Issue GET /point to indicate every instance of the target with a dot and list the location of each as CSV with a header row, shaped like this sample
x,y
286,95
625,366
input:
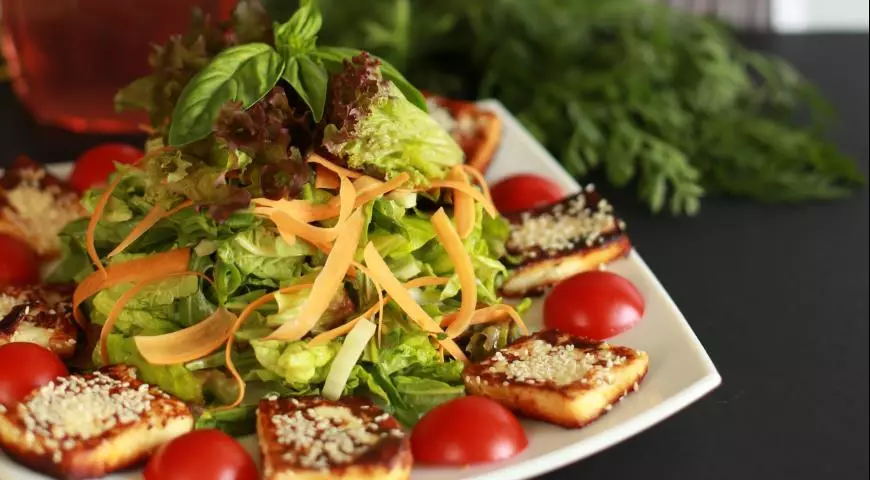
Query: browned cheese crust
x,y
41,315
86,426
577,234
557,378
312,438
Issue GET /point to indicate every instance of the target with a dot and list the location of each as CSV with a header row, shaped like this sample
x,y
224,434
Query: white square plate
x,y
680,370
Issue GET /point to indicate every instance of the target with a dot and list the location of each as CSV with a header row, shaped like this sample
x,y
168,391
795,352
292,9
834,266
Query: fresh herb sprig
x,y
246,73
661,101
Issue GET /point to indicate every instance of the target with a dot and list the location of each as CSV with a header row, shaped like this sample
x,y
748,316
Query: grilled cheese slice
x,y
557,378
311,438
39,314
86,426
577,234
35,206
477,131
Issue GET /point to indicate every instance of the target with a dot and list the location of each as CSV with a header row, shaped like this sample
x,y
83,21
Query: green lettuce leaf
x,y
295,362
174,379
263,254
373,127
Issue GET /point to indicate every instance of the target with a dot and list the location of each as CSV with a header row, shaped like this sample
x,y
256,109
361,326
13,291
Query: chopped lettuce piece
x,y
296,362
373,127
174,379
262,254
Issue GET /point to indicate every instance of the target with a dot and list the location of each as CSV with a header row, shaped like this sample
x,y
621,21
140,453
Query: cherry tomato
x,y
93,167
19,264
524,191
465,431
596,305
25,367
201,455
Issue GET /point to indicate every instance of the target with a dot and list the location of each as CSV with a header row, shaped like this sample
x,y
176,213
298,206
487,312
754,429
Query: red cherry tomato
x,y
465,431
201,455
93,167
25,367
595,305
19,264
525,191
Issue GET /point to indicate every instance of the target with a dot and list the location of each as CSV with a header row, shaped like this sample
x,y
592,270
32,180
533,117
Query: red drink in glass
x,y
67,58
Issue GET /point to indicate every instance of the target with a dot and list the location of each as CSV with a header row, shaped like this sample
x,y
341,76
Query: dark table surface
x,y
777,294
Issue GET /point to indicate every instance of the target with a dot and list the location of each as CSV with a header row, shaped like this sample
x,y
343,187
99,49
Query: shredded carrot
x,y
119,305
231,337
464,269
400,295
325,337
341,171
289,227
493,313
463,204
327,282
376,191
478,177
301,210
165,263
325,178
195,341
306,212
151,218
95,219
380,292
466,189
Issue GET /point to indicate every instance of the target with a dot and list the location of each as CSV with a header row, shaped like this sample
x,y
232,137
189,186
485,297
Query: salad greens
x,y
250,104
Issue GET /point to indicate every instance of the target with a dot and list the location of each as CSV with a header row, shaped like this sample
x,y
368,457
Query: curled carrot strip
x,y
125,298
153,216
463,205
341,171
95,219
231,336
493,313
165,263
325,178
464,269
481,182
466,189
325,337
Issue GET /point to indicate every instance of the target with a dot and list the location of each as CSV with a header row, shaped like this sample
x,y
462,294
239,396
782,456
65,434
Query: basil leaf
x,y
334,56
308,77
243,73
299,34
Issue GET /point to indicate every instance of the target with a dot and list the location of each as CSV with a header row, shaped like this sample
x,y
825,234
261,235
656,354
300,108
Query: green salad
x,y
237,112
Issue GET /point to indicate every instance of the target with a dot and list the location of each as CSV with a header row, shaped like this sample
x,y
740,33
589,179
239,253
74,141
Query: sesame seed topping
x,y
76,408
326,435
565,226
539,361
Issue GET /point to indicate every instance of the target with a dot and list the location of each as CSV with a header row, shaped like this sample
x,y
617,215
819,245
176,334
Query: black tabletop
x,y
777,294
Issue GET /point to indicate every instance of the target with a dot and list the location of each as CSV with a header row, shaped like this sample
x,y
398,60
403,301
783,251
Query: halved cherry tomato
x,y
25,367
466,431
93,167
524,191
596,305
201,455
19,264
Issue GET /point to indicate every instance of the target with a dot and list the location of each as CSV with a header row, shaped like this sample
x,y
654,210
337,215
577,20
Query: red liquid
x,y
67,58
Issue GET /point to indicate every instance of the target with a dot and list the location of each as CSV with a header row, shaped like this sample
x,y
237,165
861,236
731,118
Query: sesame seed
x,y
539,361
563,227
78,408
330,435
